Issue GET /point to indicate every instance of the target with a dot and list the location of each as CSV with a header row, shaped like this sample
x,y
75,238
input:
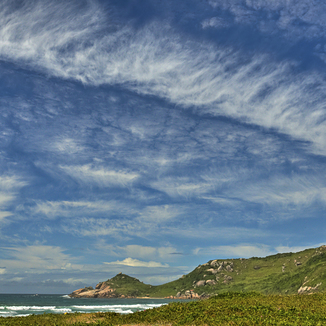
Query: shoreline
x,y
228,309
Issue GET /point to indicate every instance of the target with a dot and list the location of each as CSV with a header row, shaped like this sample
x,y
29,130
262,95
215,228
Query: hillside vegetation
x,y
288,273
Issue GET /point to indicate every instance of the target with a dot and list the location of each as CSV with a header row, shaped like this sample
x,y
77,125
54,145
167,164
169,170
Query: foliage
x,y
225,309
276,274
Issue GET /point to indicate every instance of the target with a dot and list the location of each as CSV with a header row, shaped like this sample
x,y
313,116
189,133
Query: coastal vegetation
x,y
287,273
224,309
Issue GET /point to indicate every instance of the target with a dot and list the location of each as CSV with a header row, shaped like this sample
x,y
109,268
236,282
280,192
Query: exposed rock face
x,y
201,283
229,268
214,263
102,290
212,270
303,289
189,294
308,289
210,282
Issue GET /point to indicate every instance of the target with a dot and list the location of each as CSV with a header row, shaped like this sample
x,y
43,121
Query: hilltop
x,y
287,273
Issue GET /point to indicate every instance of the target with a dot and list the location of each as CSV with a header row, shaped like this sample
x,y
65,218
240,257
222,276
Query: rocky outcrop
x,y
304,289
189,294
102,290
200,283
219,266
217,276
212,270
308,289
210,282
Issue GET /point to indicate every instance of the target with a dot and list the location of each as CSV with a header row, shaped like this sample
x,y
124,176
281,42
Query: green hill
x,y
288,273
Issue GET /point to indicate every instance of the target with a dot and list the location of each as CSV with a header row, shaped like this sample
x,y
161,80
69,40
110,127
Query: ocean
x,y
27,304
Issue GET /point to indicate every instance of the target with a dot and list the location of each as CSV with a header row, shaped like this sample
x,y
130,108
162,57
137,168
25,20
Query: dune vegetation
x,y
224,309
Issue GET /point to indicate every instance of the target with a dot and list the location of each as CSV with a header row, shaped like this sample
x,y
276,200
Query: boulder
x,y
227,278
229,268
211,282
212,270
200,283
214,263
257,267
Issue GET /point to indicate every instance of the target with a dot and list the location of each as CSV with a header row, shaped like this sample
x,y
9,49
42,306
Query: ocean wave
x,y
18,308
66,296
58,304
38,308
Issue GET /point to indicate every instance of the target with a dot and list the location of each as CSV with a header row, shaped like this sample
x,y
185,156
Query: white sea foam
x,y
66,296
59,305
120,311
62,310
19,308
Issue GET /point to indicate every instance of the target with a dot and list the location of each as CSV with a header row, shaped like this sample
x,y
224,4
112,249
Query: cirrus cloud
x,y
137,263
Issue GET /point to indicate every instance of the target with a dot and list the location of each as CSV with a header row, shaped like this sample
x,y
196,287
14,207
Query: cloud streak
x,y
100,176
155,60
137,263
296,18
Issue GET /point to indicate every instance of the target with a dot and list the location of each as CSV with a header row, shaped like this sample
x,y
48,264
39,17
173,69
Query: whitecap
x,y
66,296
61,310
17,308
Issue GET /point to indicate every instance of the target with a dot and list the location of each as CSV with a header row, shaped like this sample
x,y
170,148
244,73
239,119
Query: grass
x,y
224,309
276,274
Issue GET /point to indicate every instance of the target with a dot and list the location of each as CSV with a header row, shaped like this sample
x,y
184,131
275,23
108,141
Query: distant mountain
x,y
288,273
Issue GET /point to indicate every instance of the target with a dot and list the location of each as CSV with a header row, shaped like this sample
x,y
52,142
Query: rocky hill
x,y
288,273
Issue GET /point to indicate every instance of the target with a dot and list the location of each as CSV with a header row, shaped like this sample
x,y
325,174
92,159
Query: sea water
x,y
26,304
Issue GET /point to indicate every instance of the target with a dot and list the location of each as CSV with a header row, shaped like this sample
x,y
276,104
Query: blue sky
x,y
151,136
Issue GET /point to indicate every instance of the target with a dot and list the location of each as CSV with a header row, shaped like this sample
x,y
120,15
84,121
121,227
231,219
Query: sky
x,y
148,137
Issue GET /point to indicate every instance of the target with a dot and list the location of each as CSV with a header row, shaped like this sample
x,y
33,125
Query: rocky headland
x,y
302,272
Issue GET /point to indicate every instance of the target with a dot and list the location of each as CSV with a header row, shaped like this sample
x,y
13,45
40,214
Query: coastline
x,y
226,309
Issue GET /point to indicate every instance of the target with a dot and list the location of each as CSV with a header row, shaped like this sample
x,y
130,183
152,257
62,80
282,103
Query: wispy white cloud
x,y
9,187
54,209
161,213
296,18
238,251
215,22
101,176
137,251
137,263
41,257
248,250
299,190
155,60
209,231
67,146
182,187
